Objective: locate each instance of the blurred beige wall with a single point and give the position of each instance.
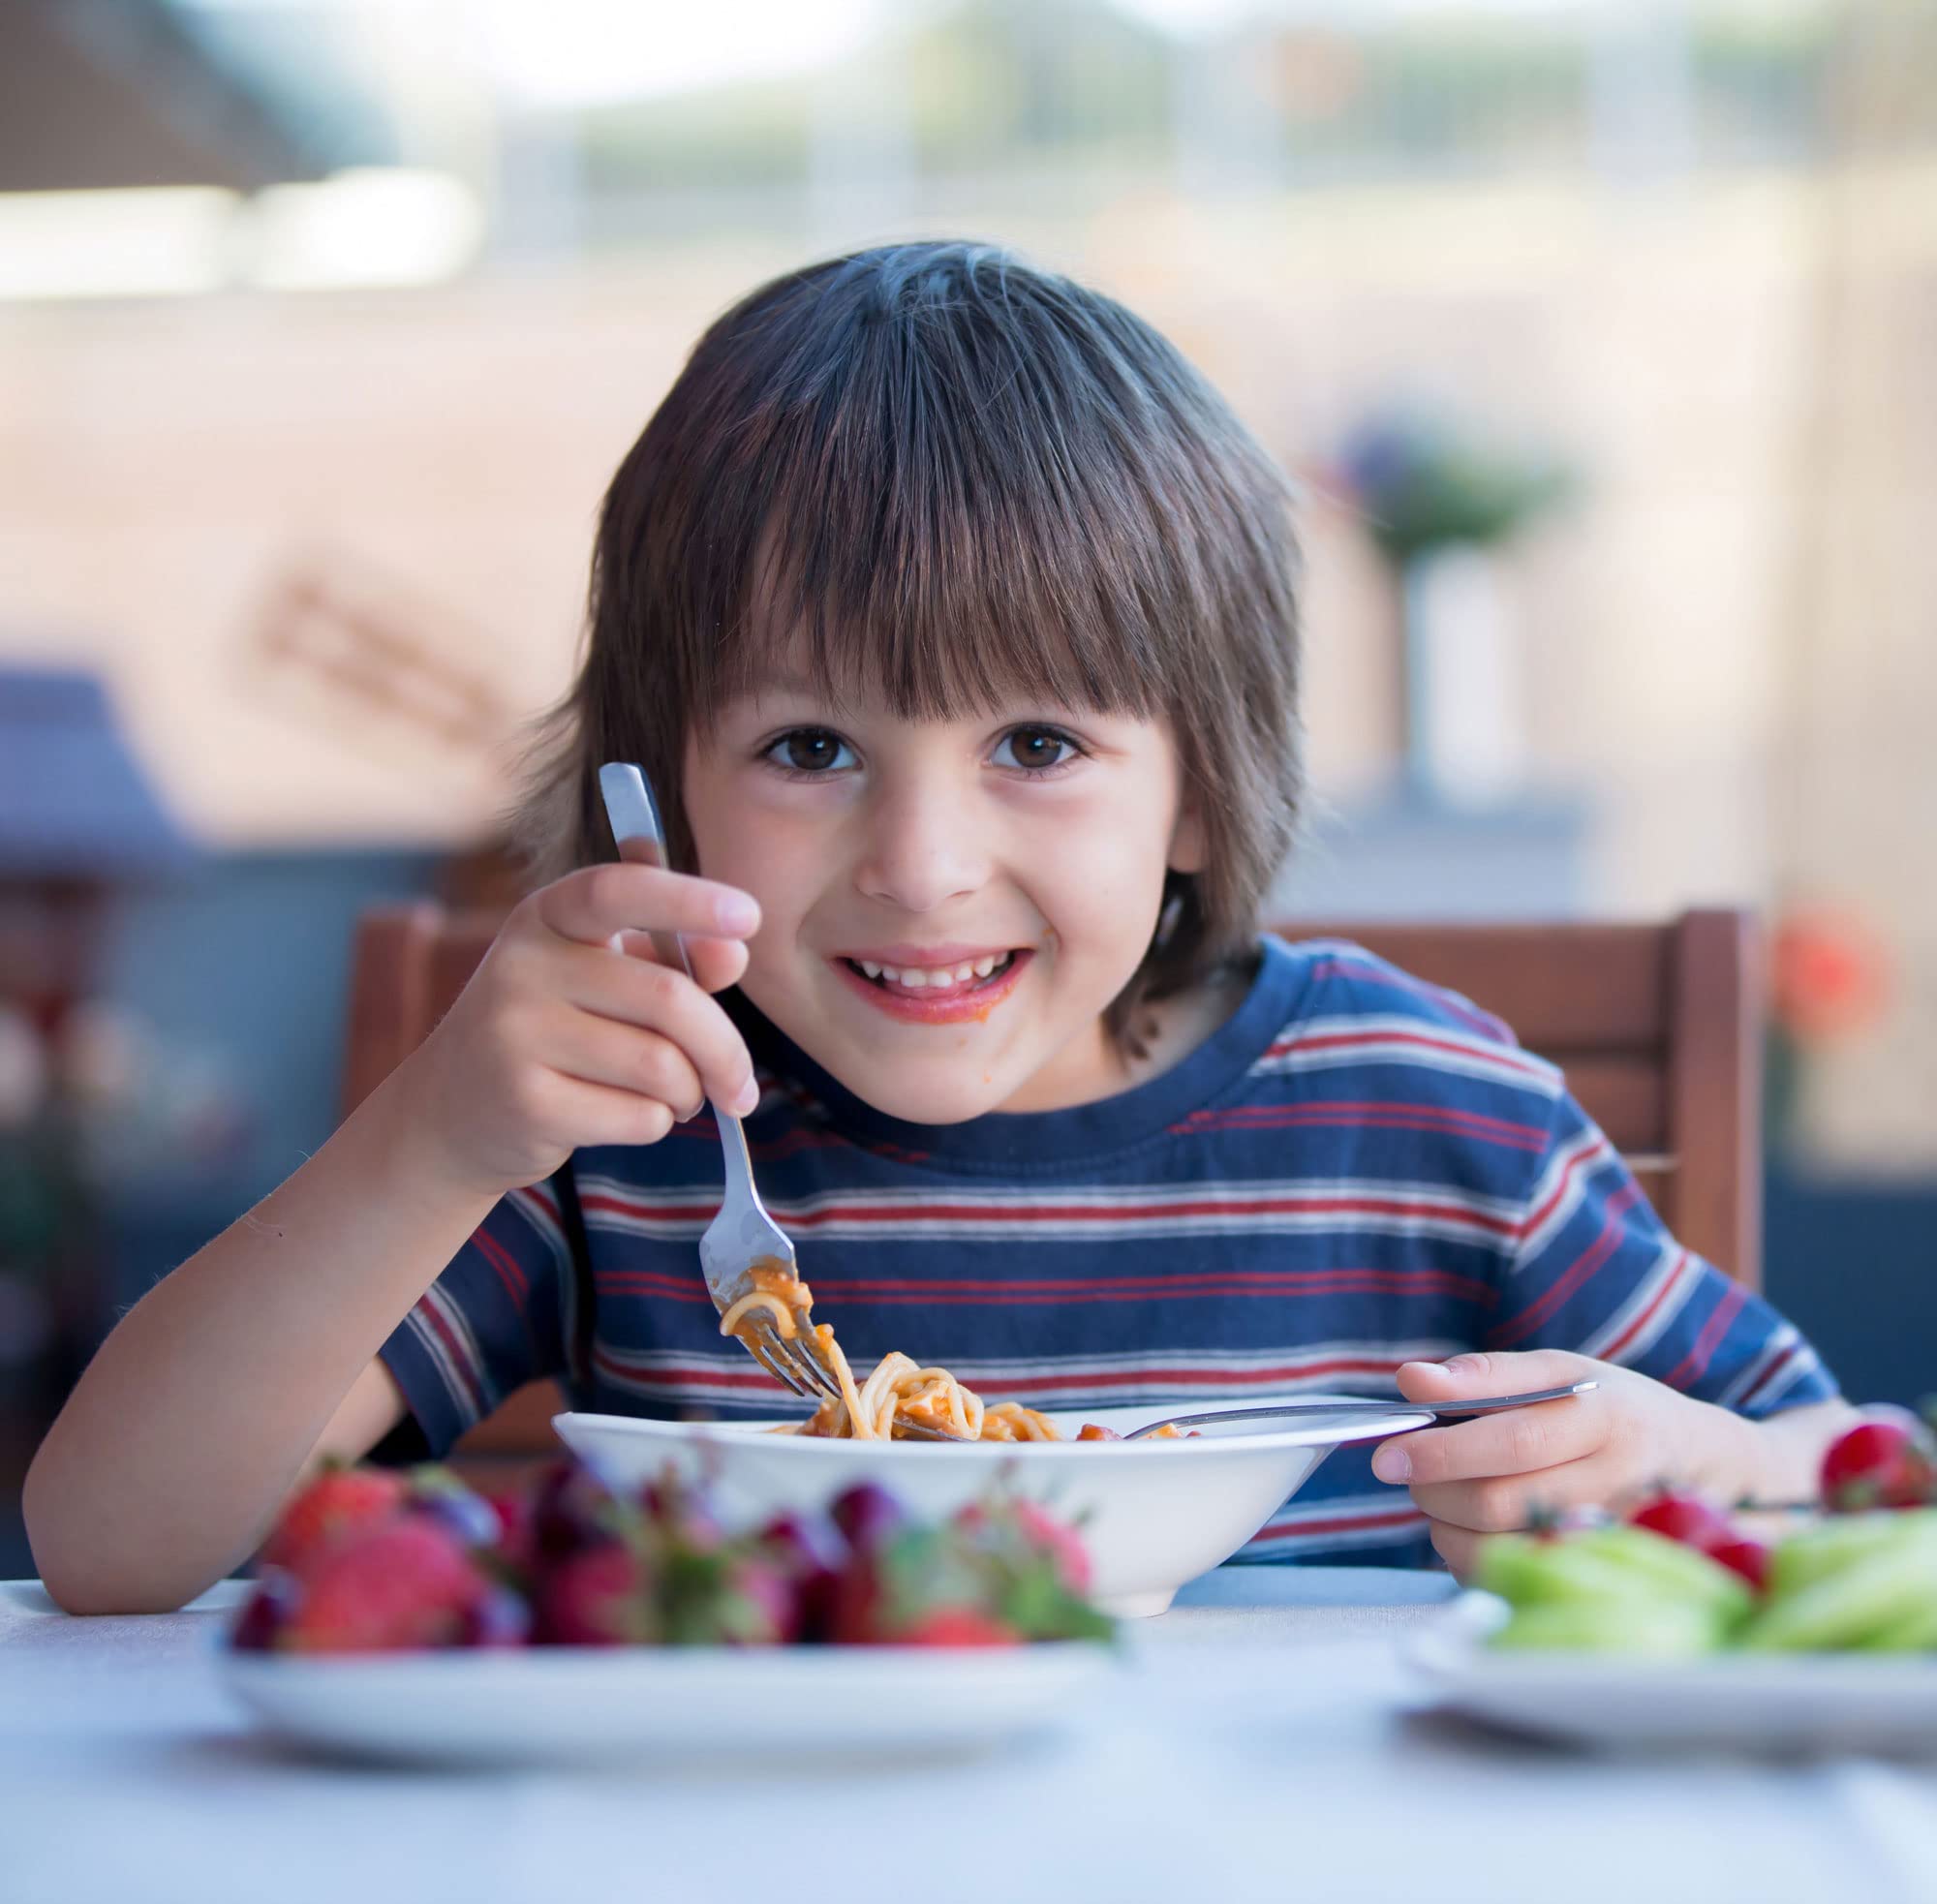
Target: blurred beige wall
(161, 465)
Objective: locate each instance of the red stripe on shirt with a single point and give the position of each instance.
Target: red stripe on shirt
(1593, 1153)
(1343, 1523)
(1050, 1212)
(1694, 1364)
(1350, 1109)
(1583, 1266)
(1613, 1349)
(730, 1375)
(505, 1264)
(1762, 1380)
(460, 1360)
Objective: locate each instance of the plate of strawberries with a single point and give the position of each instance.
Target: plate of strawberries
(405, 1616)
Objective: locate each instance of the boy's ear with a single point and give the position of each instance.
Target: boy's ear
(1187, 846)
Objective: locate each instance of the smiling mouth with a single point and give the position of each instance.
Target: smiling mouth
(956, 982)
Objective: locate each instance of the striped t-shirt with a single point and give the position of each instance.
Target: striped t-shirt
(1356, 1170)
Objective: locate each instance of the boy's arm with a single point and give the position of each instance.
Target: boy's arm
(167, 1462)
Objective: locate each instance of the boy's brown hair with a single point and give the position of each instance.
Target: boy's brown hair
(934, 472)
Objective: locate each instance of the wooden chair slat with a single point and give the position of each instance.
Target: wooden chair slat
(1532, 975)
(1623, 1092)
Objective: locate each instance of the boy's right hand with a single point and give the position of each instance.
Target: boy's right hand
(572, 1031)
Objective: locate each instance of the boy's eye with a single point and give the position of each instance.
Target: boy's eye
(809, 751)
(1035, 748)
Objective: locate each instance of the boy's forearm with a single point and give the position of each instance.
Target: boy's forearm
(1790, 1448)
(1774, 1461)
(188, 1428)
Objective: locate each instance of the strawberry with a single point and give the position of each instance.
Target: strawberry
(1747, 1557)
(597, 1596)
(388, 1587)
(1887, 1460)
(867, 1515)
(336, 1500)
(959, 1626)
(809, 1554)
(265, 1612)
(439, 1494)
(1058, 1539)
(1682, 1516)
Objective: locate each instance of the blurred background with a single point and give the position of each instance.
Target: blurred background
(1601, 338)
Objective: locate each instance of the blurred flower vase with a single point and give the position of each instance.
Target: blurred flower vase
(1437, 505)
(1830, 981)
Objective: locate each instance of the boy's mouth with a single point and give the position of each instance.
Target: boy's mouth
(968, 989)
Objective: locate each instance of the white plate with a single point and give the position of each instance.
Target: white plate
(1791, 1703)
(589, 1705)
(1151, 1514)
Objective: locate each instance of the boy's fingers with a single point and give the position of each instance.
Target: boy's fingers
(717, 962)
(1469, 1376)
(1519, 1441)
(643, 993)
(1502, 1504)
(601, 1051)
(597, 901)
(1457, 1548)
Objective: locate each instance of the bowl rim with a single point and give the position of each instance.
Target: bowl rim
(1378, 1420)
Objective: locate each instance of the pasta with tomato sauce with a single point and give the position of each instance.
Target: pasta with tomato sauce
(899, 1392)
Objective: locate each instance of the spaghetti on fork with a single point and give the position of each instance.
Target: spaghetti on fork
(898, 1392)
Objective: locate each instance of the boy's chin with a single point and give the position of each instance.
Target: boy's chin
(938, 1100)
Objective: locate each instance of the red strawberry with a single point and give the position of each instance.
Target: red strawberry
(267, 1612)
(1747, 1557)
(396, 1586)
(337, 1500)
(598, 1596)
(959, 1626)
(1887, 1460)
(1058, 1538)
(1684, 1517)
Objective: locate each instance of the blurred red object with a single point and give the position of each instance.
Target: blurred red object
(1829, 976)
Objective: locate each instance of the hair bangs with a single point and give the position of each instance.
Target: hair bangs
(896, 555)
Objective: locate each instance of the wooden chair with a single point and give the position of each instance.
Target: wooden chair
(1657, 1027)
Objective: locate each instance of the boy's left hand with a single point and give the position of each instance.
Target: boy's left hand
(1489, 1475)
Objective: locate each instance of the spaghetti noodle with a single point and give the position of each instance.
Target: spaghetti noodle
(898, 1390)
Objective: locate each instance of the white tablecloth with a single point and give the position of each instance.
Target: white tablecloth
(1266, 1742)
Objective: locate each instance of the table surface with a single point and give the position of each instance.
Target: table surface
(1264, 1741)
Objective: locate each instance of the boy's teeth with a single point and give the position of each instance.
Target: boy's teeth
(917, 977)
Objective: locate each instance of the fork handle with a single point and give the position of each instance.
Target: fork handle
(1276, 1411)
(634, 815)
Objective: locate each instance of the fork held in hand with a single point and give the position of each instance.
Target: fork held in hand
(1481, 1405)
(742, 1235)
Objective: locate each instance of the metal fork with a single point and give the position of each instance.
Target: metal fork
(1274, 1411)
(742, 1235)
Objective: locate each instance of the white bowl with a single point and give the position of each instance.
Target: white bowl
(1153, 1514)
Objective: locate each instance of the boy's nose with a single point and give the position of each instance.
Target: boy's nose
(920, 852)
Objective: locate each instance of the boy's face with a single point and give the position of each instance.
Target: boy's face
(1022, 854)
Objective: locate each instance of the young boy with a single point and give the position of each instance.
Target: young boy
(954, 616)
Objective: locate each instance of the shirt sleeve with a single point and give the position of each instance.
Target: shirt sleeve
(1595, 1270)
(492, 1321)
